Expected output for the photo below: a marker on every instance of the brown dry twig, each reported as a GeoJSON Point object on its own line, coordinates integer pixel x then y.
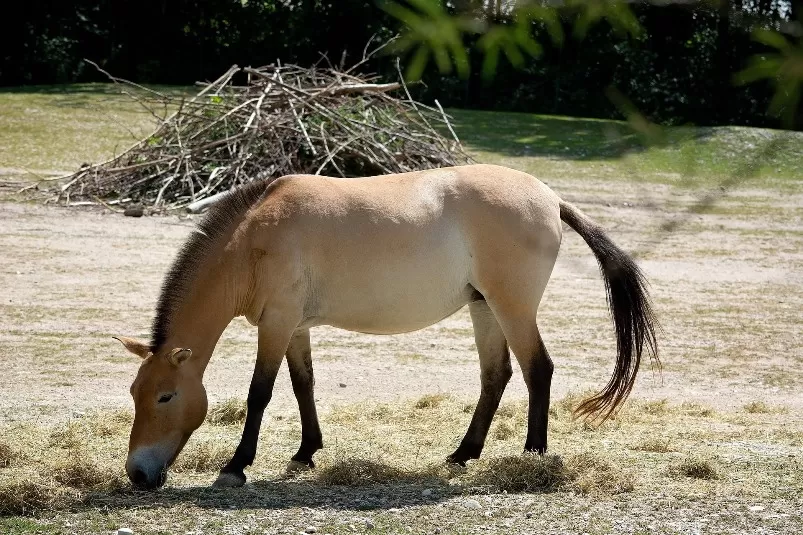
{"type": "Point", "coordinates": [285, 120]}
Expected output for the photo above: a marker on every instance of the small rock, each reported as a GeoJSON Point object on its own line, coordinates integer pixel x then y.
{"type": "Point", "coordinates": [342, 385]}
{"type": "Point", "coordinates": [125, 531]}
{"type": "Point", "coordinates": [438, 530]}
{"type": "Point", "coordinates": [472, 504]}
{"type": "Point", "coordinates": [135, 210]}
{"type": "Point", "coordinates": [311, 529]}
{"type": "Point", "coordinates": [756, 508]}
{"type": "Point", "coordinates": [528, 515]}
{"type": "Point", "coordinates": [426, 492]}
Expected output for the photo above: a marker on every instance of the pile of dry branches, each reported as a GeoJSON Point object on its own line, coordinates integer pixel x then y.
{"type": "Point", "coordinates": [284, 120]}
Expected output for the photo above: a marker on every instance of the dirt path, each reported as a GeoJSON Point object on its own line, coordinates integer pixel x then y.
{"type": "Point", "coordinates": [727, 287]}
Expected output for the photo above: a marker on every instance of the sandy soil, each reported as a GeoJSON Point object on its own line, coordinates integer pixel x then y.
{"type": "Point", "coordinates": [726, 285]}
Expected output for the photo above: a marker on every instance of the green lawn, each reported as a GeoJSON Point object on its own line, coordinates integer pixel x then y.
{"type": "Point", "coordinates": [59, 128]}
{"type": "Point", "coordinates": [550, 145]}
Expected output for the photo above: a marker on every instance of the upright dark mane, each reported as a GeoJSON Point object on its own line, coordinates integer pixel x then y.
{"type": "Point", "coordinates": [216, 224]}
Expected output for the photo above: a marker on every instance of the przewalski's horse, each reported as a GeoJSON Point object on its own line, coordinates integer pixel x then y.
{"type": "Point", "coordinates": [385, 254]}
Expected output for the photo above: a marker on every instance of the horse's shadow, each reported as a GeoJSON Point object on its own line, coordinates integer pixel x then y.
{"type": "Point", "coordinates": [278, 494]}
{"type": "Point", "coordinates": [354, 485]}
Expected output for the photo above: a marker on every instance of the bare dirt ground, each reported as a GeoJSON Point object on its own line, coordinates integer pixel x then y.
{"type": "Point", "coordinates": [726, 283]}
{"type": "Point", "coordinates": [726, 287]}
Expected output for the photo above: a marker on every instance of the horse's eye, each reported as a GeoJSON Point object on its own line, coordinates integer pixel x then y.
{"type": "Point", "coordinates": [165, 398]}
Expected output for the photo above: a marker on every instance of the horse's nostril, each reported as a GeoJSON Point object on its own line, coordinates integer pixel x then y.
{"type": "Point", "coordinates": [139, 478]}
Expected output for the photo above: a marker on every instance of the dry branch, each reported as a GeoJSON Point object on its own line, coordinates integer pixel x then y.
{"type": "Point", "coordinates": [285, 120]}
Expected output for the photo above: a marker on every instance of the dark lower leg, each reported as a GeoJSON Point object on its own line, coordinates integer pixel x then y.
{"type": "Point", "coordinates": [299, 361]}
{"type": "Point", "coordinates": [492, 389]}
{"type": "Point", "coordinates": [495, 372]}
{"type": "Point", "coordinates": [539, 381]}
{"type": "Point", "coordinates": [259, 395]}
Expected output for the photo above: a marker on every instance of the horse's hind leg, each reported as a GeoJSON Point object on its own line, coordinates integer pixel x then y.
{"type": "Point", "coordinates": [536, 366]}
{"type": "Point", "coordinates": [299, 362]}
{"type": "Point", "coordinates": [495, 373]}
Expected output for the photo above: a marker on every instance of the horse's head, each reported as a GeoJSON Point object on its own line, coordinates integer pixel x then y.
{"type": "Point", "coordinates": [169, 404]}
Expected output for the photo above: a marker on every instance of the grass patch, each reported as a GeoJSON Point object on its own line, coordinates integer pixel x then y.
{"type": "Point", "coordinates": [82, 473]}
{"type": "Point", "coordinates": [361, 472]}
{"type": "Point", "coordinates": [759, 407]}
{"type": "Point", "coordinates": [591, 474]}
{"type": "Point", "coordinates": [519, 473]}
{"type": "Point", "coordinates": [205, 456]}
{"type": "Point", "coordinates": [61, 127]}
{"type": "Point", "coordinates": [695, 409]}
{"type": "Point", "coordinates": [564, 407]}
{"type": "Point", "coordinates": [512, 410]}
{"type": "Point", "coordinates": [544, 144]}
{"type": "Point", "coordinates": [656, 407]}
{"type": "Point", "coordinates": [6, 454]}
{"type": "Point", "coordinates": [654, 445]}
{"type": "Point", "coordinates": [696, 468]}
{"type": "Point", "coordinates": [430, 401]}
{"type": "Point", "coordinates": [530, 472]}
{"type": "Point", "coordinates": [229, 412]}
{"type": "Point", "coordinates": [25, 496]}
{"type": "Point", "coordinates": [504, 431]}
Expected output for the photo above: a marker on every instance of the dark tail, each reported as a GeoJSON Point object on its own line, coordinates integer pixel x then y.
{"type": "Point", "coordinates": [633, 317]}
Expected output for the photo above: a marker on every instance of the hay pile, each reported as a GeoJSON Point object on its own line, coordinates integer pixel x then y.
{"type": "Point", "coordinates": [284, 120]}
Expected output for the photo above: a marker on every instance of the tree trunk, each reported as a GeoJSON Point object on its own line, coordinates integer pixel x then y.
{"type": "Point", "coordinates": [722, 66]}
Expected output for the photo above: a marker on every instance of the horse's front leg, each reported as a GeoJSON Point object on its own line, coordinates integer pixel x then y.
{"type": "Point", "coordinates": [299, 362]}
{"type": "Point", "coordinates": [273, 342]}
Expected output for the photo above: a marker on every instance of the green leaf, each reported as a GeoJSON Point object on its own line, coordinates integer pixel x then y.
{"type": "Point", "coordinates": [772, 38]}
{"type": "Point", "coordinates": [759, 68]}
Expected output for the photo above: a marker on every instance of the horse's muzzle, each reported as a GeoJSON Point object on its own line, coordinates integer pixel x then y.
{"type": "Point", "coordinates": [146, 470]}
{"type": "Point", "coordinates": [141, 479]}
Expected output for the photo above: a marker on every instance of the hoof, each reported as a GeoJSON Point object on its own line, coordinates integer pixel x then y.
{"type": "Point", "coordinates": [297, 467]}
{"type": "Point", "coordinates": [227, 480]}
{"type": "Point", "coordinates": [453, 461]}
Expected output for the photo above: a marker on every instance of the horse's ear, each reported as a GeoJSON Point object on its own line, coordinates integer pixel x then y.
{"type": "Point", "coordinates": [179, 355]}
{"type": "Point", "coordinates": [140, 349]}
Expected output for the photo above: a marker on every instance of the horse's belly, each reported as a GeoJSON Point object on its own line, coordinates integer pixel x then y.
{"type": "Point", "coordinates": [395, 291]}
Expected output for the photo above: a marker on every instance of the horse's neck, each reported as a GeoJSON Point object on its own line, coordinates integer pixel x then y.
{"type": "Point", "coordinates": [199, 321]}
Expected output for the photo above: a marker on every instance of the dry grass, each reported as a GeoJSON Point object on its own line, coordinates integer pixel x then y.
{"type": "Point", "coordinates": [591, 474]}
{"type": "Point", "coordinates": [396, 451]}
{"type": "Point", "coordinates": [696, 468]}
{"type": "Point", "coordinates": [504, 431]}
{"type": "Point", "coordinates": [759, 407]}
{"type": "Point", "coordinates": [229, 412]}
{"type": "Point", "coordinates": [519, 473]}
{"type": "Point", "coordinates": [29, 496]}
{"type": "Point", "coordinates": [360, 472]}
{"type": "Point", "coordinates": [696, 409]}
{"type": "Point", "coordinates": [430, 401]}
{"type": "Point", "coordinates": [655, 407]}
{"type": "Point", "coordinates": [80, 473]}
{"type": "Point", "coordinates": [654, 445]}
{"type": "Point", "coordinates": [205, 456]}
{"type": "Point", "coordinates": [6, 454]}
